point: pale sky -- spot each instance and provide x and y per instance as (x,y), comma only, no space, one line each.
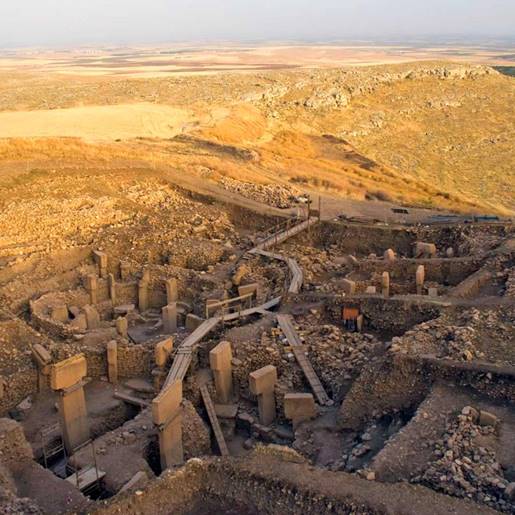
(71,22)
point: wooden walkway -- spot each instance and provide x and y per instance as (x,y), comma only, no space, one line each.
(224,451)
(281,236)
(184,353)
(286,324)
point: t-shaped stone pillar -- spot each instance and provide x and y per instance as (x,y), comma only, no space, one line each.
(419,278)
(124,270)
(167,416)
(262,383)
(122,326)
(67,377)
(348,286)
(389,256)
(171,291)
(143,295)
(169,314)
(111,284)
(385,284)
(101,261)
(43,361)
(112,361)
(299,407)
(92,288)
(162,352)
(92,317)
(220,361)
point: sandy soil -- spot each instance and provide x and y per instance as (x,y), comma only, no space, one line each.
(96,123)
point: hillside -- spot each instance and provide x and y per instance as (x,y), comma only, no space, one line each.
(429,134)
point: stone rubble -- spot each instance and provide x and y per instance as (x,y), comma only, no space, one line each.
(466,467)
(271,194)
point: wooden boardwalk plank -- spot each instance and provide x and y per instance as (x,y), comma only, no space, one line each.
(286,324)
(183,356)
(224,451)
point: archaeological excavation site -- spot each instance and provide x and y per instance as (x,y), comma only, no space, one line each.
(178,353)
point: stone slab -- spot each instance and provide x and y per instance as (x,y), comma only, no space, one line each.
(226,410)
(162,351)
(299,406)
(68,372)
(263,380)
(167,403)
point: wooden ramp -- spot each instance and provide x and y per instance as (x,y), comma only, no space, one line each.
(297,276)
(183,356)
(279,237)
(286,324)
(184,353)
(224,451)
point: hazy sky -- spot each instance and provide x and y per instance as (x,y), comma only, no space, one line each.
(69,22)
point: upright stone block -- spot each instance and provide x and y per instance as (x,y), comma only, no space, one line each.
(42,357)
(193,321)
(299,407)
(348,286)
(122,326)
(169,314)
(59,313)
(143,296)
(424,250)
(262,384)
(172,292)
(419,279)
(92,317)
(67,377)
(432,292)
(124,270)
(68,372)
(166,414)
(112,361)
(389,256)
(220,361)
(162,351)
(92,288)
(359,323)
(43,361)
(101,261)
(111,283)
(385,284)
(74,418)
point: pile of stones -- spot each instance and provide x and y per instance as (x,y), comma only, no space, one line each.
(466,467)
(271,194)
(440,338)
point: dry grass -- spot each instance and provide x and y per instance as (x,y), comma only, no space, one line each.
(426,141)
